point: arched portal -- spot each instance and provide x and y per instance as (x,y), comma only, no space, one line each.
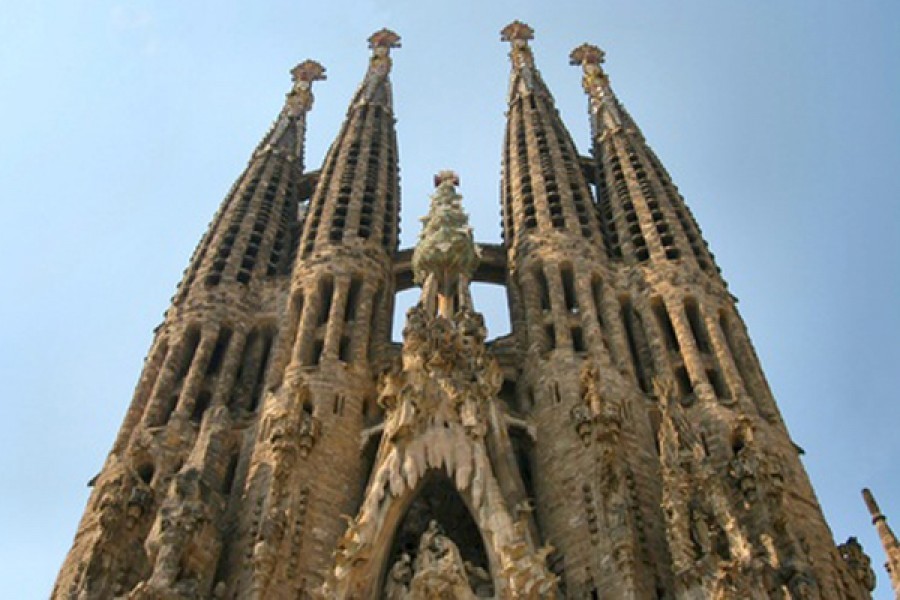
(438,501)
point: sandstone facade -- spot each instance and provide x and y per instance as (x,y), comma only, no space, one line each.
(621,442)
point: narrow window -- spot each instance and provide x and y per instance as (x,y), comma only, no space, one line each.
(693,315)
(550,334)
(543,286)
(665,323)
(350,307)
(597,291)
(716,381)
(262,367)
(326,294)
(339,401)
(637,346)
(373,320)
(230,472)
(200,406)
(578,340)
(684,382)
(318,347)
(344,349)
(218,354)
(568,282)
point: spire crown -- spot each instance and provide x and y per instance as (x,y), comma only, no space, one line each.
(375,88)
(518,34)
(384,39)
(300,98)
(587,54)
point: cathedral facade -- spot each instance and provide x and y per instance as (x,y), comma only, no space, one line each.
(620,442)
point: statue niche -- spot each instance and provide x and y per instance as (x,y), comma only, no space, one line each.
(438,551)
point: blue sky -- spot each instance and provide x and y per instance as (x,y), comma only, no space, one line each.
(125,122)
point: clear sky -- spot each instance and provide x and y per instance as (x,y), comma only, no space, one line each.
(123,124)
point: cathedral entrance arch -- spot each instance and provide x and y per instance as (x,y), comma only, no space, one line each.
(434,511)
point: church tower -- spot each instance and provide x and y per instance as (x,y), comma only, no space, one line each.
(620,442)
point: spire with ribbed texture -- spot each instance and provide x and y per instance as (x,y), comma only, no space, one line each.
(358,196)
(643,216)
(250,236)
(543,186)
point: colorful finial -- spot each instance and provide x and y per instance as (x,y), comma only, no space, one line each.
(587,54)
(517,31)
(596,85)
(384,38)
(308,71)
(300,98)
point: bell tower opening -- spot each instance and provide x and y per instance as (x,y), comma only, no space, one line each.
(439,511)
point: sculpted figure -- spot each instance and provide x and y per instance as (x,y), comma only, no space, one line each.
(397,585)
(440,571)
(744,469)
(181,517)
(308,432)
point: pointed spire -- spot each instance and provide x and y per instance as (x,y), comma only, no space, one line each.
(888,540)
(525,78)
(358,194)
(596,85)
(376,87)
(287,134)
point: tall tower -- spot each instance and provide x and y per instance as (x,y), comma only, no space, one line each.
(621,442)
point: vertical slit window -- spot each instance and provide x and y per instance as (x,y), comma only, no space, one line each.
(200,406)
(692,311)
(543,287)
(344,349)
(218,354)
(597,292)
(550,334)
(373,320)
(230,473)
(684,382)
(578,340)
(350,307)
(634,335)
(715,379)
(568,283)
(267,336)
(326,294)
(665,323)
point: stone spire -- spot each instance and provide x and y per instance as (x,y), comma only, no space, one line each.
(888,540)
(249,236)
(543,187)
(633,186)
(376,87)
(358,197)
(288,132)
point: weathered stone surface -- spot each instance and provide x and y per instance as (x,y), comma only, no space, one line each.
(622,442)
